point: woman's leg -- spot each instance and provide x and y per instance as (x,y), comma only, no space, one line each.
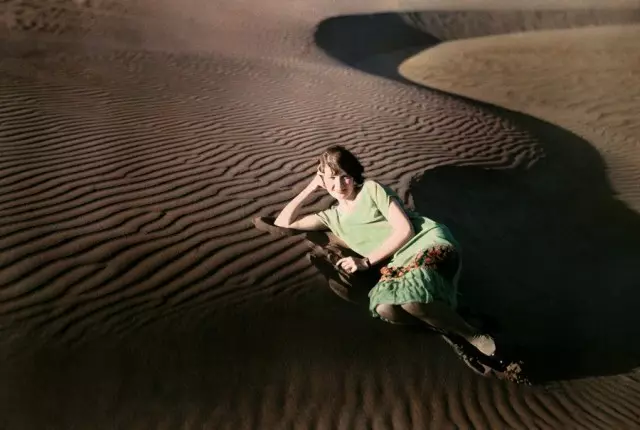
(442,317)
(396,315)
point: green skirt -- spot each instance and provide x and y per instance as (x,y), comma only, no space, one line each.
(431,276)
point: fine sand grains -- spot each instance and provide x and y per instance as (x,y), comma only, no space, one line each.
(138,140)
(585,80)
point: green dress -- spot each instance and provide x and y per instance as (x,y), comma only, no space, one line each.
(413,273)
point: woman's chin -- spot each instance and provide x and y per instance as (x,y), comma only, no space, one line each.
(340,196)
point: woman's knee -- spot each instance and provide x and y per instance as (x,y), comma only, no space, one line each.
(394,314)
(433,310)
(385,311)
(414,308)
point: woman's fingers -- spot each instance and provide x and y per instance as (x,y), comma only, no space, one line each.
(348,264)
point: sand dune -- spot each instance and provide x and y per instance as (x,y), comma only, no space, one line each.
(452,24)
(138,140)
(582,79)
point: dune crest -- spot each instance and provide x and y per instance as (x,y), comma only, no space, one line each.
(137,141)
(584,80)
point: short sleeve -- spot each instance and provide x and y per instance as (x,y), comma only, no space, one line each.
(328,217)
(382,196)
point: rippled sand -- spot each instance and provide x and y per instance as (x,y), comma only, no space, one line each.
(139,139)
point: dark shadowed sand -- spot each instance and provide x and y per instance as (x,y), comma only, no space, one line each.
(138,140)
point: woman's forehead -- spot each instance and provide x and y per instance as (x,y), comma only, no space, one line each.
(329,171)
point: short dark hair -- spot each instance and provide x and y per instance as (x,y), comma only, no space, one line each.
(341,160)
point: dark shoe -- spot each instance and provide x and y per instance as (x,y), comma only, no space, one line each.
(465,353)
(482,364)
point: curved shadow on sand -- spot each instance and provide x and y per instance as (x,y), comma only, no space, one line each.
(378,43)
(375,43)
(549,251)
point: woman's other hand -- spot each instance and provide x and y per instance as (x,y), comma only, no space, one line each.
(352,265)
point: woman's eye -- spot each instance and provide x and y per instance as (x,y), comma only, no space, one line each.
(341,178)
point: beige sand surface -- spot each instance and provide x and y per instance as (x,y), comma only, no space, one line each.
(501,5)
(584,80)
(137,141)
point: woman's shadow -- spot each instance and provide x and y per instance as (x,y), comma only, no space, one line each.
(548,250)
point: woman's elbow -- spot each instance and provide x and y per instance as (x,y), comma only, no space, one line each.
(410,233)
(280,223)
(406,233)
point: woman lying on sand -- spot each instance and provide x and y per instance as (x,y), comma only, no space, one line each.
(421,257)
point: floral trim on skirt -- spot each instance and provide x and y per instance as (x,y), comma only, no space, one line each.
(432,275)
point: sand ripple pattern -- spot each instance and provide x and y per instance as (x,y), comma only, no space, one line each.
(121,188)
(127,181)
(598,79)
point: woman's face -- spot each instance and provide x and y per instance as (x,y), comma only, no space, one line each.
(339,185)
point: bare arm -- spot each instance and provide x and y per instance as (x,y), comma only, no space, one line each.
(289,214)
(401,233)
